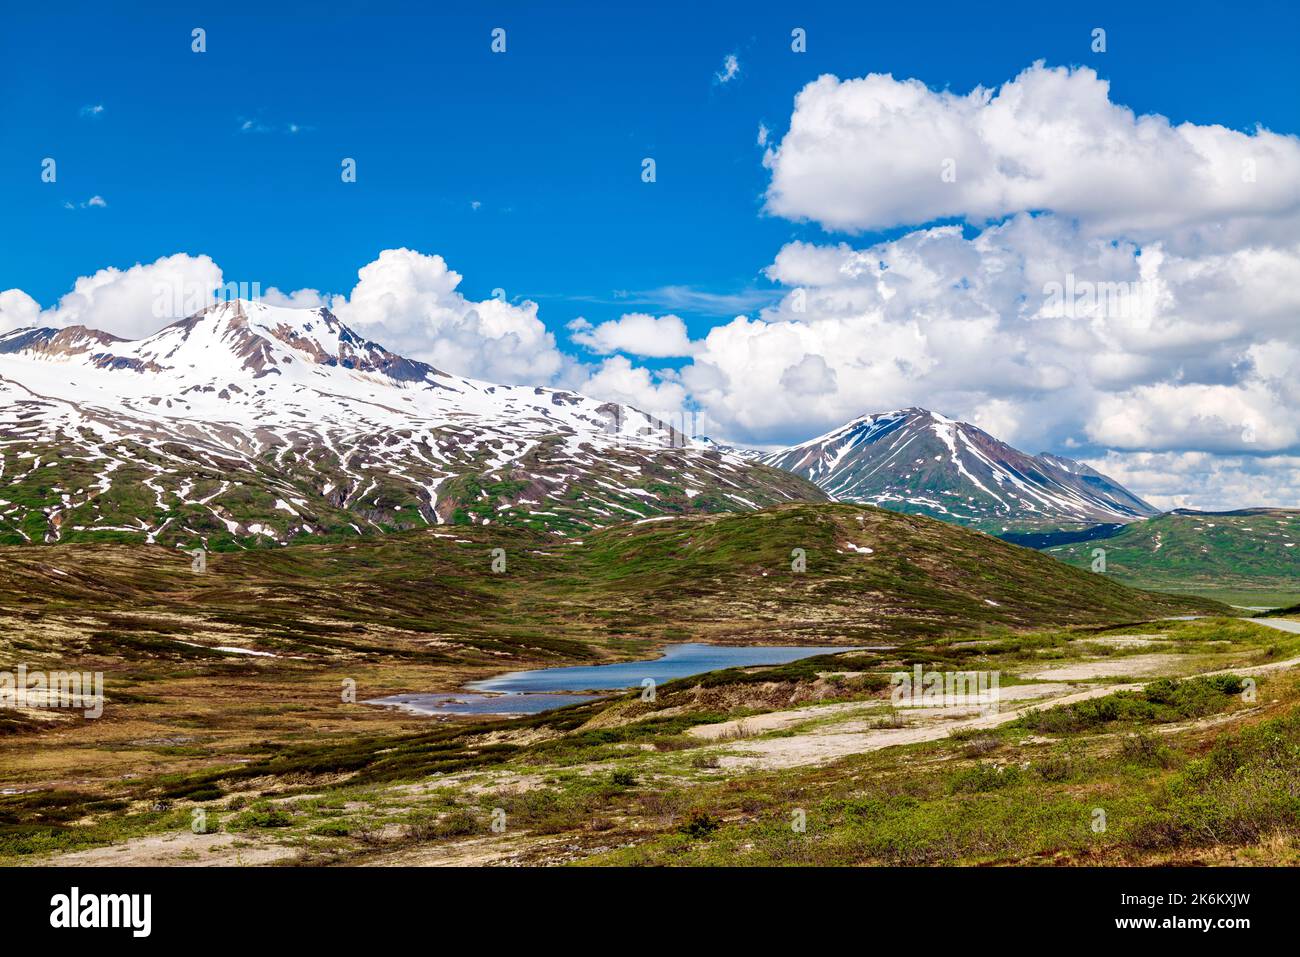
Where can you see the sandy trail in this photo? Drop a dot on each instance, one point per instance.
(502, 849)
(1281, 624)
(1124, 641)
(823, 745)
(869, 712)
(177, 849)
(927, 724)
(1110, 668)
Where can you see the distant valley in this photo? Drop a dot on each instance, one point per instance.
(1250, 556)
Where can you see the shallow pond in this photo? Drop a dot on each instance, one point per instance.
(531, 692)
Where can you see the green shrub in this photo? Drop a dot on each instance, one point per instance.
(455, 823)
(262, 815)
(1245, 789)
(332, 829)
(981, 746)
(1161, 701)
(1146, 750)
(700, 824)
(1227, 684)
(985, 777)
(1054, 767)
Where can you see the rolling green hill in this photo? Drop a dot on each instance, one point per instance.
(1250, 557)
(870, 575)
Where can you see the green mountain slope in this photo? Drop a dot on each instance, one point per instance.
(174, 495)
(871, 575)
(1252, 555)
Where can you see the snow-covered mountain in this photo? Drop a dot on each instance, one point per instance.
(248, 423)
(914, 460)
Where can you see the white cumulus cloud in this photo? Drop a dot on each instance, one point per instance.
(130, 303)
(409, 302)
(636, 333)
(616, 379)
(876, 152)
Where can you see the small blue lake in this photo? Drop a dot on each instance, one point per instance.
(531, 692)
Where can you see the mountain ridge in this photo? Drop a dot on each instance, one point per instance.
(247, 424)
(957, 472)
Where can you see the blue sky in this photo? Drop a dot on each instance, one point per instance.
(522, 171)
(548, 137)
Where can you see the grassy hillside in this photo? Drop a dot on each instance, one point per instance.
(868, 574)
(1249, 557)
